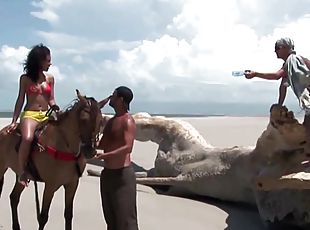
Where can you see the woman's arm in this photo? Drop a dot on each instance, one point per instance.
(20, 99)
(18, 104)
(51, 101)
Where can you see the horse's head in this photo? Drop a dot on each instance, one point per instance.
(89, 120)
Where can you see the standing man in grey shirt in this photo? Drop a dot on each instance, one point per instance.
(294, 72)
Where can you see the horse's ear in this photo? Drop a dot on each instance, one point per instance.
(80, 97)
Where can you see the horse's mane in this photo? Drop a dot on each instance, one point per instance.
(68, 108)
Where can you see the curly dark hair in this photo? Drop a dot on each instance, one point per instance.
(33, 63)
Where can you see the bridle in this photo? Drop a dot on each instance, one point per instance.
(88, 144)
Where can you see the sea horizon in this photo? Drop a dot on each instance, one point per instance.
(8, 115)
(194, 109)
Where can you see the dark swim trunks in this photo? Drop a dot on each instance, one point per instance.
(118, 196)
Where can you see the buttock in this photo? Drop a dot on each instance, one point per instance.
(38, 116)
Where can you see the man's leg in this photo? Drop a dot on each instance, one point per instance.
(125, 202)
(106, 199)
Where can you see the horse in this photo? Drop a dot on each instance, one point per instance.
(58, 157)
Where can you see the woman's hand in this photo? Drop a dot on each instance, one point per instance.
(11, 127)
(55, 108)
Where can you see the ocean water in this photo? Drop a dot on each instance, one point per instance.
(6, 114)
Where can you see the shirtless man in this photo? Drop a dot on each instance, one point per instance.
(117, 180)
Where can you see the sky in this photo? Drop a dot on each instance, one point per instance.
(176, 55)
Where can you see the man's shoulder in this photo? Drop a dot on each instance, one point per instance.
(128, 120)
(123, 118)
(130, 117)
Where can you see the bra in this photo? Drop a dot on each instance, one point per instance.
(33, 89)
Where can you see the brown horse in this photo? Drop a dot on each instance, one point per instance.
(58, 158)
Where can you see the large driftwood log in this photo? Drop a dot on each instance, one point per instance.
(267, 175)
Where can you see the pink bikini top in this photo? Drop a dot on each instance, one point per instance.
(33, 89)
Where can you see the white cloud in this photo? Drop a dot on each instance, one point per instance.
(70, 44)
(48, 9)
(46, 15)
(171, 50)
(11, 62)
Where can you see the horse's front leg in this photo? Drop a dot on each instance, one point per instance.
(2, 172)
(48, 195)
(70, 190)
(14, 200)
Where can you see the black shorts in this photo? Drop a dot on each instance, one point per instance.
(118, 196)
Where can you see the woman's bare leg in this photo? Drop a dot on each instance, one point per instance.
(28, 127)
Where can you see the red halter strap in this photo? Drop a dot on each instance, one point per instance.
(59, 155)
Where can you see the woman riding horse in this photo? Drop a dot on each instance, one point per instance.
(39, 90)
(58, 158)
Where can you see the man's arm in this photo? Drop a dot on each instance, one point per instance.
(103, 102)
(282, 91)
(129, 137)
(307, 62)
(267, 76)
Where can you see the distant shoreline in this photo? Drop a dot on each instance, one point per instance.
(10, 114)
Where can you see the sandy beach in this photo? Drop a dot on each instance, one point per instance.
(155, 211)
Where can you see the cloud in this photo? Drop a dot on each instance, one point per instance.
(70, 44)
(111, 20)
(48, 9)
(170, 50)
(46, 15)
(11, 63)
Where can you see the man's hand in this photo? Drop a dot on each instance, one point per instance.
(99, 154)
(249, 74)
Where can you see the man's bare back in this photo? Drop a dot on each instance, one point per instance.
(117, 141)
